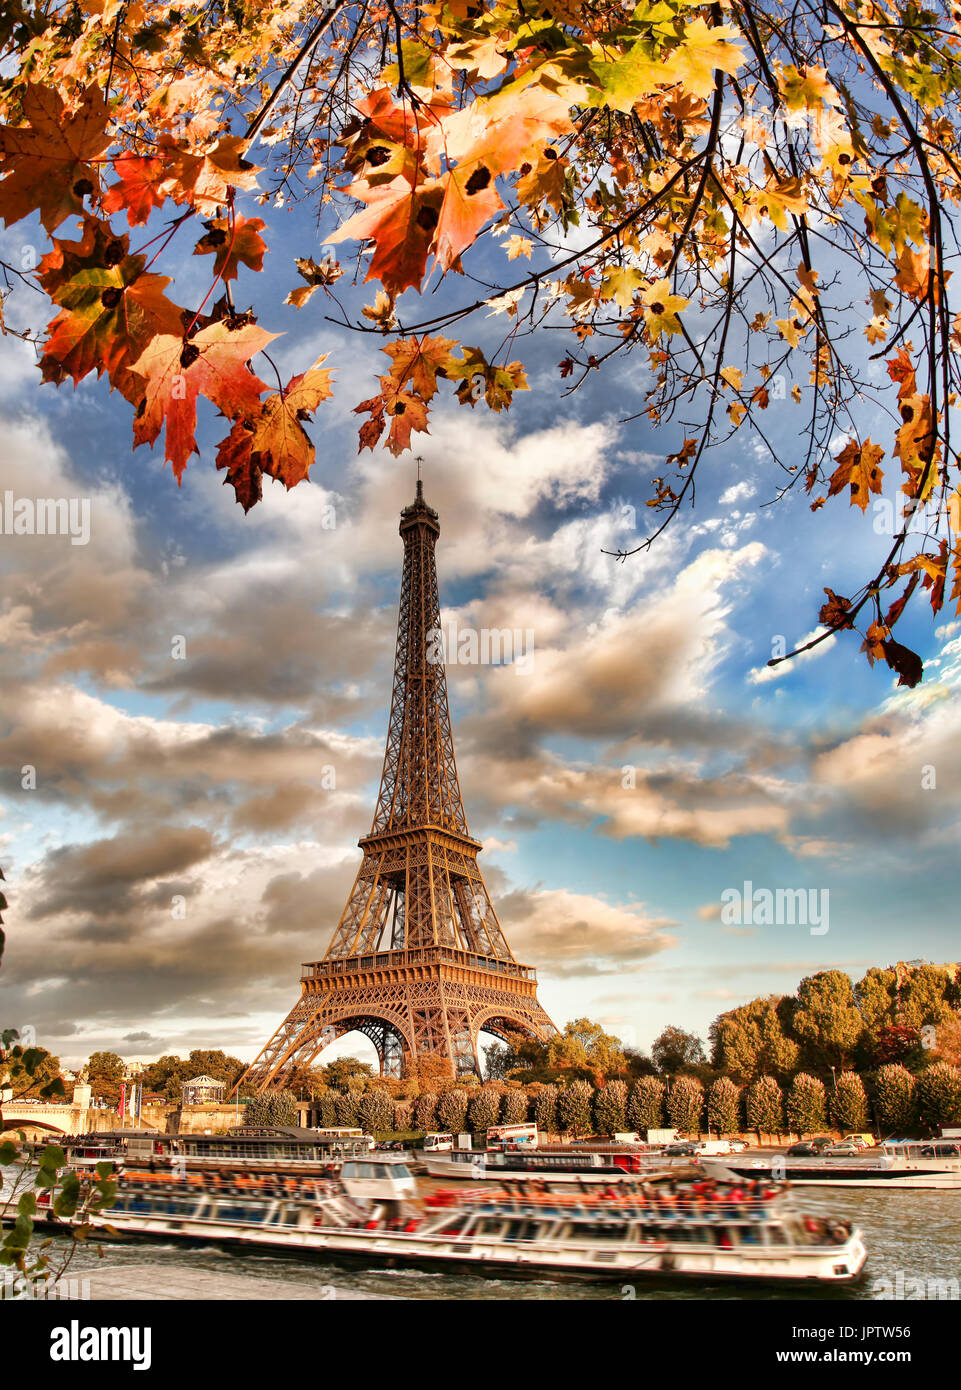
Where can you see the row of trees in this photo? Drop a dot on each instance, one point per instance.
(893, 1099)
(907, 1015)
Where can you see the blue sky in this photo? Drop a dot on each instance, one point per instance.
(205, 781)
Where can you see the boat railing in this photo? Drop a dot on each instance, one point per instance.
(755, 1208)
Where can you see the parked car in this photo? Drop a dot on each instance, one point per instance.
(842, 1150)
(821, 1141)
(863, 1141)
(687, 1148)
(803, 1150)
(738, 1146)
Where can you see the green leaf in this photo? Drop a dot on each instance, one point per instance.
(52, 1158)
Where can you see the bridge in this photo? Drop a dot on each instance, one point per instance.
(56, 1119)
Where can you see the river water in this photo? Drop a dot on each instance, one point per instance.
(910, 1236)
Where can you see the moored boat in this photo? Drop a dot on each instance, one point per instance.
(247, 1148)
(563, 1163)
(924, 1163)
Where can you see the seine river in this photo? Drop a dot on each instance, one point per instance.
(914, 1235)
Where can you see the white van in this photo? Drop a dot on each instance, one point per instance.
(438, 1143)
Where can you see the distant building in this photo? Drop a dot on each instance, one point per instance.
(133, 1071)
(905, 968)
(203, 1090)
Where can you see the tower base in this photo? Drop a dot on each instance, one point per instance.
(410, 1004)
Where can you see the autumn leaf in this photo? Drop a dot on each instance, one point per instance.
(401, 221)
(834, 613)
(222, 168)
(111, 309)
(907, 663)
(783, 198)
(417, 362)
(274, 440)
(381, 312)
(49, 165)
(806, 88)
(326, 273)
(913, 272)
(703, 51)
(956, 586)
(662, 309)
(470, 200)
(623, 78)
(210, 364)
(620, 282)
(492, 138)
(516, 246)
(874, 640)
(232, 246)
(857, 468)
(139, 191)
(205, 179)
(898, 606)
(478, 378)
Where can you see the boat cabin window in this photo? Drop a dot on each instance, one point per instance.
(599, 1230)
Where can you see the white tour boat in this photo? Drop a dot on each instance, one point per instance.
(932, 1163)
(621, 1231)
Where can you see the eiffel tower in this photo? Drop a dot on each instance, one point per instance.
(418, 962)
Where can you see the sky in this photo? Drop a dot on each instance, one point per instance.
(203, 698)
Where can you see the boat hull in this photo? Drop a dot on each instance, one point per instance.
(805, 1173)
(798, 1266)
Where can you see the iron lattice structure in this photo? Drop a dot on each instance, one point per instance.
(418, 961)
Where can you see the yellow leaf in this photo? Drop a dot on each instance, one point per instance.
(518, 246)
(619, 283)
(733, 376)
(703, 51)
(792, 330)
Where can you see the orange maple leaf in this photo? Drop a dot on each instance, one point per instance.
(401, 221)
(232, 246)
(857, 467)
(211, 364)
(110, 309)
(274, 441)
(139, 191)
(49, 164)
(205, 179)
(418, 361)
